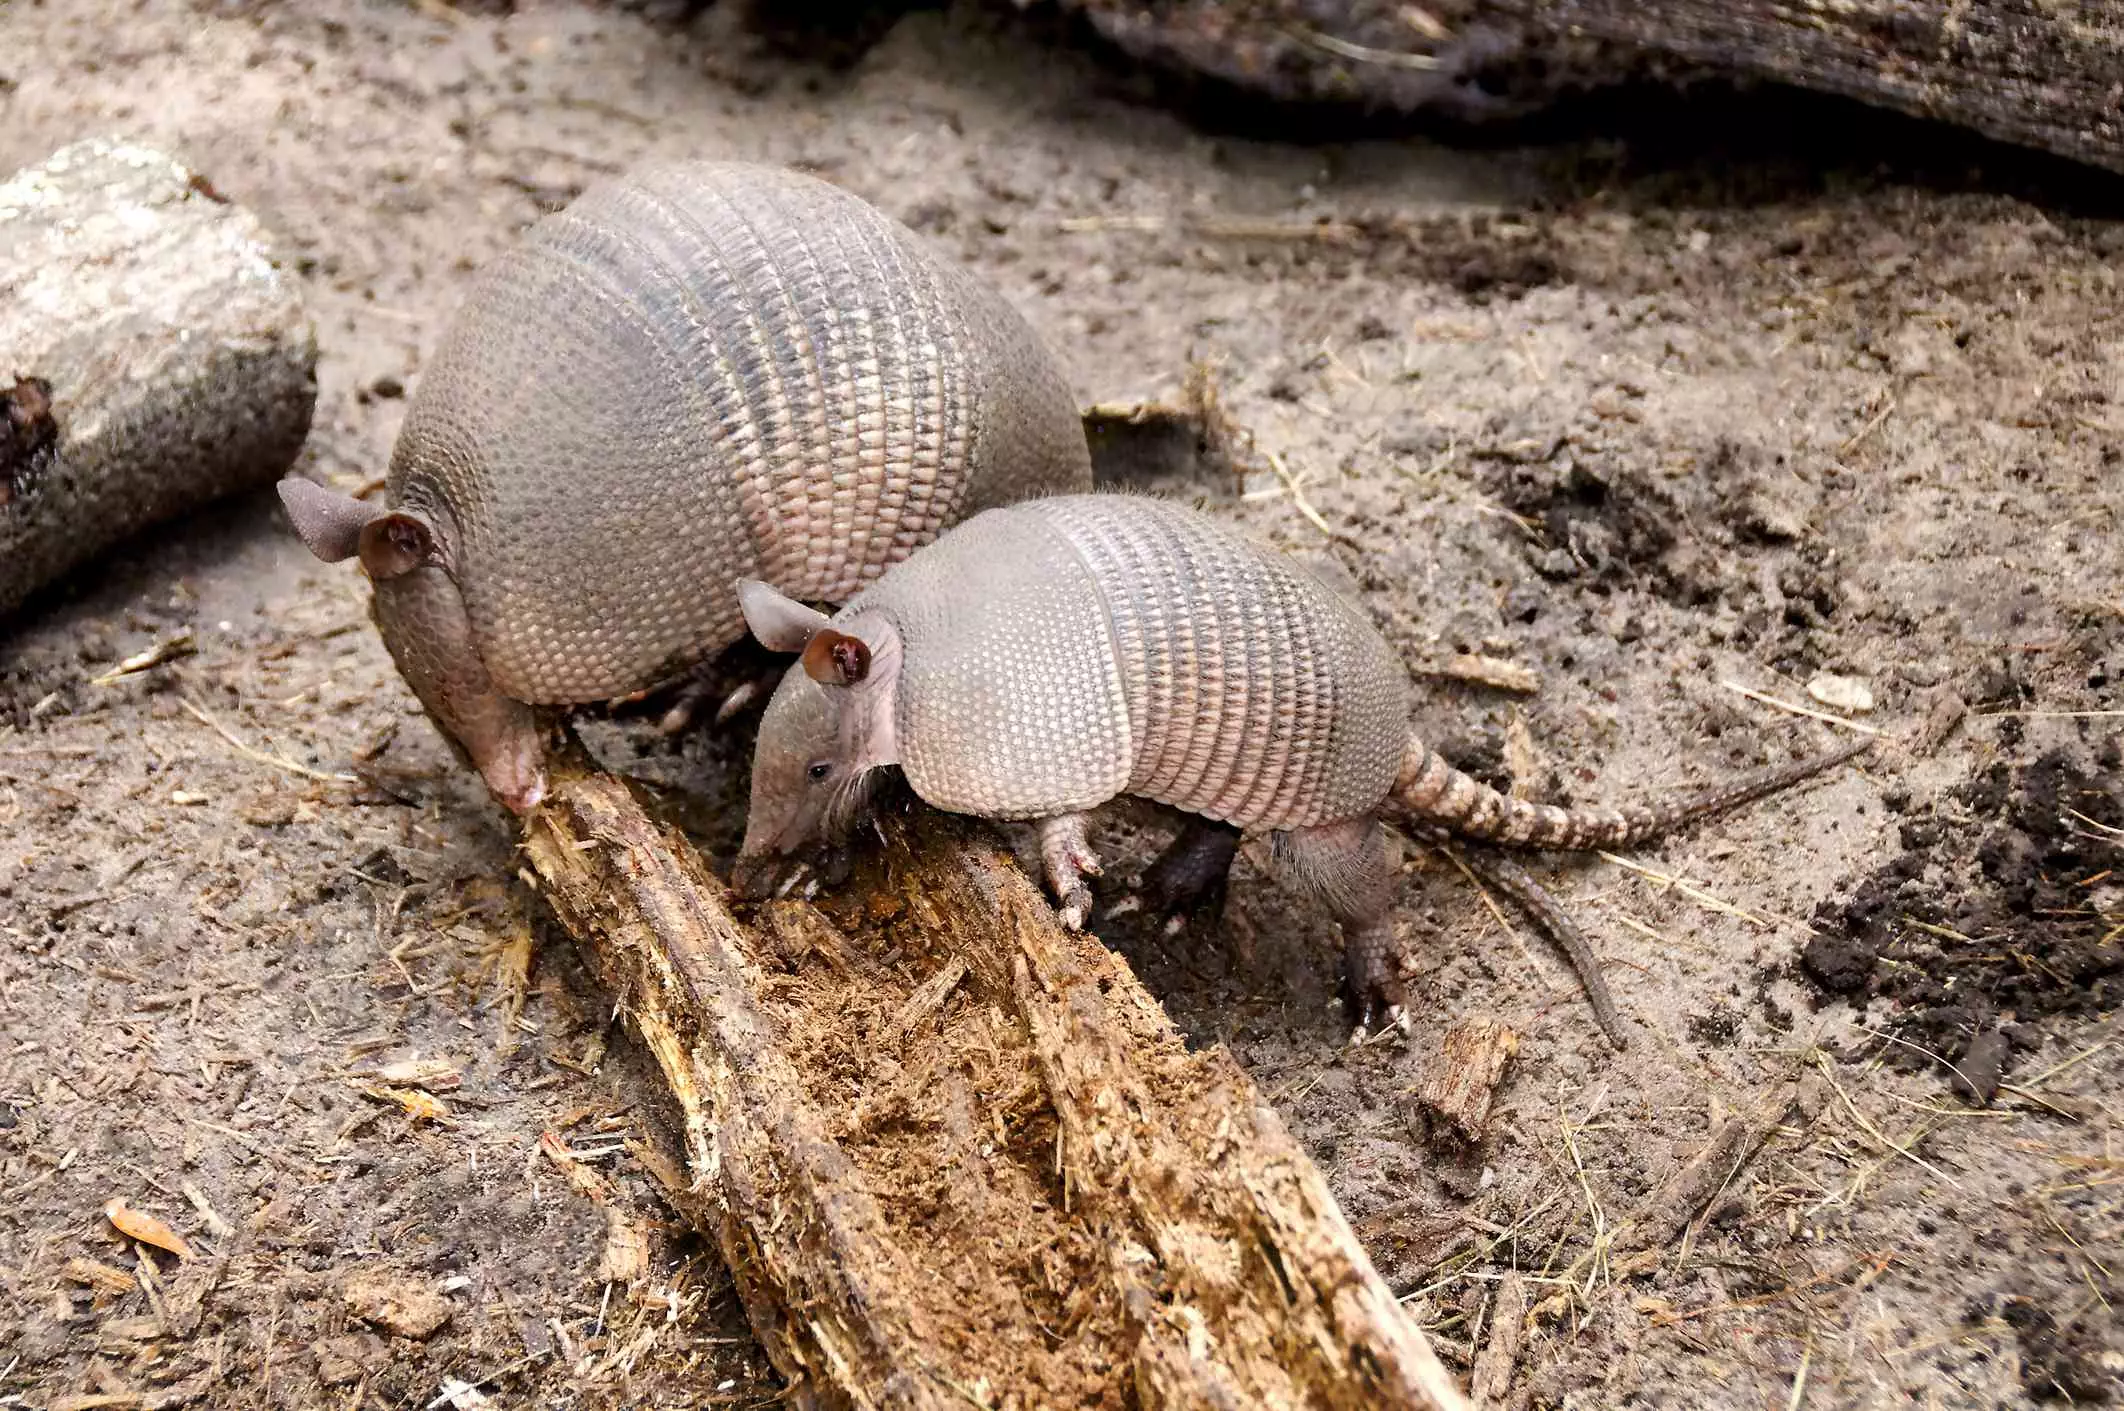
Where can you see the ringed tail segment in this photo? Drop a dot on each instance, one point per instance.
(1431, 791)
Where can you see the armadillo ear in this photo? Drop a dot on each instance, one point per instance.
(329, 523)
(835, 658)
(781, 623)
(396, 543)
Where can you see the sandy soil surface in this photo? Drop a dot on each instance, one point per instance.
(1739, 394)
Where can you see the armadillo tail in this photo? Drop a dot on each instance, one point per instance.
(1434, 792)
(1505, 876)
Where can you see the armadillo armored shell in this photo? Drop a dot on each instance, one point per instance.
(704, 371)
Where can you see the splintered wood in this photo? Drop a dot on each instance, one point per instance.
(957, 1155)
(1460, 1081)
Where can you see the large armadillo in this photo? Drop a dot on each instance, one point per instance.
(1044, 658)
(698, 372)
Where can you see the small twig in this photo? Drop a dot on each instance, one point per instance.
(1799, 1381)
(1363, 53)
(1290, 487)
(1828, 1071)
(1867, 430)
(1601, 1238)
(1494, 1366)
(1921, 1049)
(1082, 225)
(1452, 855)
(262, 756)
(1694, 893)
(2049, 714)
(1797, 709)
(173, 649)
(2073, 1062)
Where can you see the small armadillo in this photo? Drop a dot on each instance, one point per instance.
(697, 372)
(1041, 659)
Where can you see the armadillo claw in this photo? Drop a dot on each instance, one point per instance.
(1371, 977)
(695, 693)
(743, 698)
(1397, 1022)
(1076, 906)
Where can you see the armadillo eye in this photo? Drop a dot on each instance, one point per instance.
(819, 771)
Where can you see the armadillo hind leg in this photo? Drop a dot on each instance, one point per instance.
(1549, 917)
(1187, 879)
(739, 678)
(1434, 793)
(1066, 856)
(1350, 869)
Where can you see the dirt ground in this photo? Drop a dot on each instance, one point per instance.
(1737, 391)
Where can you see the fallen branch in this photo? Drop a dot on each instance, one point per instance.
(957, 1154)
(154, 355)
(2032, 72)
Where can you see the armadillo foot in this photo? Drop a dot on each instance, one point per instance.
(696, 692)
(1188, 879)
(1067, 857)
(1397, 1021)
(1371, 977)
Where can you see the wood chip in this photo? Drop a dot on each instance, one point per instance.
(138, 1225)
(420, 1106)
(399, 1305)
(208, 1215)
(626, 1253)
(434, 1074)
(1851, 693)
(515, 981)
(171, 649)
(1491, 671)
(927, 999)
(1683, 1195)
(587, 1182)
(1460, 1082)
(101, 1277)
(1945, 710)
(1522, 758)
(1492, 1377)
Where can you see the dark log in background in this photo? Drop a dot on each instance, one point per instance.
(2043, 75)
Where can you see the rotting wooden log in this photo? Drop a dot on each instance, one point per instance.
(956, 1154)
(2038, 73)
(154, 355)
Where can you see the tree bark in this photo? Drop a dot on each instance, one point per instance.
(958, 1154)
(2047, 74)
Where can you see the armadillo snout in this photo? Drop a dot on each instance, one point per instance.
(794, 769)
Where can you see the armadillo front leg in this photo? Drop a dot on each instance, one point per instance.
(1067, 857)
(1350, 869)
